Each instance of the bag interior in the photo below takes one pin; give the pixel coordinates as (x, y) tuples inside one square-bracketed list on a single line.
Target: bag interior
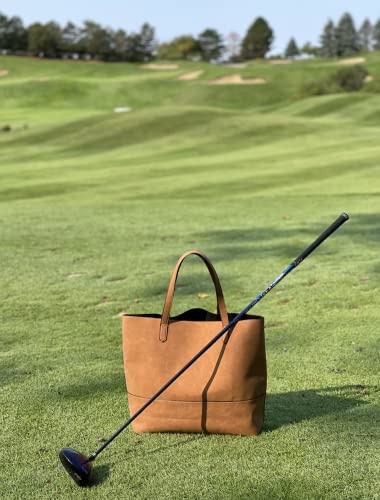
[(196, 314)]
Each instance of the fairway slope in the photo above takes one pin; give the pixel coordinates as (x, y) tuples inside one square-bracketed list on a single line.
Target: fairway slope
[(95, 209)]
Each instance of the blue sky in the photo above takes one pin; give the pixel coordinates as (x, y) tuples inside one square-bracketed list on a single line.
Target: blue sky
[(304, 20)]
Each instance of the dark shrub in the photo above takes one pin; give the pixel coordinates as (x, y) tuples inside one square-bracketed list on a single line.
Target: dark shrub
[(319, 87), (346, 79), (350, 78)]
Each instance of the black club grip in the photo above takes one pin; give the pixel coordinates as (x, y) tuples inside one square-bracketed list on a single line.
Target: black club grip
[(328, 232)]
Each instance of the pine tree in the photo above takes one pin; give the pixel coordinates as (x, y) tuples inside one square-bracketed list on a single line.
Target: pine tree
[(292, 49), (142, 45), (376, 36), (365, 36), (258, 40), (147, 42), (346, 36), (328, 40)]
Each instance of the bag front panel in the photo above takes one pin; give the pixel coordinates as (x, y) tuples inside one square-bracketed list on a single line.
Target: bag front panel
[(231, 371)]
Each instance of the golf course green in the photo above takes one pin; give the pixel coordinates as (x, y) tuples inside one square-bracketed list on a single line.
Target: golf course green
[(95, 208)]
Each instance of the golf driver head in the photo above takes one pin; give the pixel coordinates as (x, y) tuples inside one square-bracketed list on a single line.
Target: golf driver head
[(77, 465)]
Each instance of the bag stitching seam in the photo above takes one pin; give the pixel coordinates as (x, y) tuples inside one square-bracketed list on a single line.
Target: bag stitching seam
[(200, 402)]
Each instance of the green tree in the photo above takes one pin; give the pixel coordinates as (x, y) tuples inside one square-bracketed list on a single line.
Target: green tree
[(328, 40), (346, 36), (52, 39), (365, 36), (210, 44), (35, 35), (13, 35), (292, 49), (167, 50), (187, 46), (310, 49), (96, 40), (148, 43), (182, 47), (119, 45), (134, 50), (3, 30), (142, 45), (72, 38), (258, 40), (376, 35), (45, 40)]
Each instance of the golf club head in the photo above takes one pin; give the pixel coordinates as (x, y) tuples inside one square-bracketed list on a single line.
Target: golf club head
[(77, 465)]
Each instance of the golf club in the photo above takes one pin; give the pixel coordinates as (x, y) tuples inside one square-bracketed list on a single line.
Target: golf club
[(78, 465)]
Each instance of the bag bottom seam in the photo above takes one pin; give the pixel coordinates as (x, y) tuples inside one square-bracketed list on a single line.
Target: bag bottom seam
[(201, 402)]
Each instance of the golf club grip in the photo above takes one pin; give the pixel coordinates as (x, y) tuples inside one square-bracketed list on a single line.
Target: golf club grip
[(328, 232)]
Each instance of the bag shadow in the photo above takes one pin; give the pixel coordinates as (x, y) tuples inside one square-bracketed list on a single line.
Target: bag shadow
[(294, 407)]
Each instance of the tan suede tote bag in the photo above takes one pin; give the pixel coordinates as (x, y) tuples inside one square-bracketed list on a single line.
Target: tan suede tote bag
[(222, 392)]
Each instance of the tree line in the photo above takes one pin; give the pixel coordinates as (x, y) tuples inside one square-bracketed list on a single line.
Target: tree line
[(91, 40), (341, 40)]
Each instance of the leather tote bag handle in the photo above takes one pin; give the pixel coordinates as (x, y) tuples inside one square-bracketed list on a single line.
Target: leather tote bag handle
[(165, 319)]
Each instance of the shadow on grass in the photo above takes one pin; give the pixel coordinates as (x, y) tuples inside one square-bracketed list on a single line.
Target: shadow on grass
[(295, 407), (231, 244), (282, 409), (93, 387), (282, 244), (99, 475), (9, 372), (187, 439)]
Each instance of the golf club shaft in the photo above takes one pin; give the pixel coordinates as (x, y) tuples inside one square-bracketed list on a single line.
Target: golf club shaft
[(328, 232)]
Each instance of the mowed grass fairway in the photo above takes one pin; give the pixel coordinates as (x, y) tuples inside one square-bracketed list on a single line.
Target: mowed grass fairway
[(95, 208)]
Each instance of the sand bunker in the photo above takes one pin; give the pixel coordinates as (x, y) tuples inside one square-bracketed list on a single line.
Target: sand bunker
[(4, 72), (237, 80), (368, 78), (280, 61), (191, 76), (159, 66), (353, 60)]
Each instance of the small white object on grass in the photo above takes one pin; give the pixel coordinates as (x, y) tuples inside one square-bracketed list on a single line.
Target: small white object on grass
[(122, 109)]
